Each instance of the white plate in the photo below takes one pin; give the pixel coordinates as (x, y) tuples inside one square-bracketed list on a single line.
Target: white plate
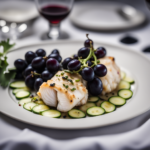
[(133, 62), (104, 16), (17, 11)]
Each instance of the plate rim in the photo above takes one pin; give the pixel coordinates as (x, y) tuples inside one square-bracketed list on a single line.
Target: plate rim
[(74, 41)]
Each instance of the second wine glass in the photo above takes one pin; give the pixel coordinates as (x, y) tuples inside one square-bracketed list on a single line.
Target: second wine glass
[(54, 11)]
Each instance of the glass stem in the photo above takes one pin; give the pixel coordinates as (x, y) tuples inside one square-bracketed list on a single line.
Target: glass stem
[(54, 31)]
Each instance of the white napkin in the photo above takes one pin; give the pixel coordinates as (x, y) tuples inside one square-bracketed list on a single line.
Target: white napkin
[(138, 139)]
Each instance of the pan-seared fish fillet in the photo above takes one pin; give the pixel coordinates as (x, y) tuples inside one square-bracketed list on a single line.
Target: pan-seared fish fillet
[(66, 93), (113, 76)]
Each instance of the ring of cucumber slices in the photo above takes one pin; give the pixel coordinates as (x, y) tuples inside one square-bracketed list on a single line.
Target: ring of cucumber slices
[(95, 105)]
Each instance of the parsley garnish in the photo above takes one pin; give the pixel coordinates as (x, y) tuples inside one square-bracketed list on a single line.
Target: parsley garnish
[(77, 80), (66, 86), (73, 89), (5, 75)]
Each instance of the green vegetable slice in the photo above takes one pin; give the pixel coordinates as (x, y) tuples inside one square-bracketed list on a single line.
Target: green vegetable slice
[(51, 113), (76, 114), (109, 107), (126, 94), (129, 79), (124, 85), (24, 101), (86, 106), (18, 84), (116, 100), (93, 99), (29, 106), (95, 111), (39, 108), (22, 94)]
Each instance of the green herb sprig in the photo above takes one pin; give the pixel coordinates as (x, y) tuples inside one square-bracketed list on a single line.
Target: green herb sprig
[(5, 75)]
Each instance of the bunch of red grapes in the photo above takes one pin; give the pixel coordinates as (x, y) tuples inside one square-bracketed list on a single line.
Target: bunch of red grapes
[(37, 68), (91, 71)]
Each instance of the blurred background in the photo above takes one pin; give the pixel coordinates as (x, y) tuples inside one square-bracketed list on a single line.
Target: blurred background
[(120, 22)]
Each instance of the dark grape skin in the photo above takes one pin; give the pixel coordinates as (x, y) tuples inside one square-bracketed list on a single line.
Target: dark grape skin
[(29, 56), (20, 64), (28, 71), (88, 74), (100, 70), (95, 87), (52, 65), (46, 75), (89, 63), (55, 51), (37, 84), (83, 52), (74, 65), (38, 63), (66, 61), (75, 56), (100, 52), (41, 52), (56, 56), (29, 81), (87, 43), (19, 75)]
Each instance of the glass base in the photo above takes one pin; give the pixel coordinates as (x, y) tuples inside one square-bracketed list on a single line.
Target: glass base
[(63, 35)]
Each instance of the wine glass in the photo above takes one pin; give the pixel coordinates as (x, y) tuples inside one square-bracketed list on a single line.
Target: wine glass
[(54, 11)]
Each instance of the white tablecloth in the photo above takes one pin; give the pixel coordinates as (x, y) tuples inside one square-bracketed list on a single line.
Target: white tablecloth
[(12, 129)]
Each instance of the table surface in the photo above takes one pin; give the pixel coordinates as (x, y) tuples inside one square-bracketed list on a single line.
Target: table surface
[(11, 127)]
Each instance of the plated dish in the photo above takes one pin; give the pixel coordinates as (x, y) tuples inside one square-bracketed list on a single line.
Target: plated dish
[(135, 106), (87, 84)]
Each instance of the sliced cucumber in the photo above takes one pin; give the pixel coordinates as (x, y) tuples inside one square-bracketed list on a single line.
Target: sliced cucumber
[(86, 106), (39, 102), (51, 113), (22, 94), (39, 108), (129, 79), (123, 74), (17, 90), (116, 100), (124, 85), (75, 113), (17, 84), (109, 107), (95, 111), (93, 99), (126, 94), (99, 103), (24, 101), (29, 106)]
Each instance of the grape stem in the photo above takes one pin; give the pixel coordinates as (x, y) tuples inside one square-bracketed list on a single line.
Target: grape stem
[(35, 74), (84, 61)]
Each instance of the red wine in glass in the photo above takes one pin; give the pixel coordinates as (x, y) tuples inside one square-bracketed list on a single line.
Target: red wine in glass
[(54, 13)]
